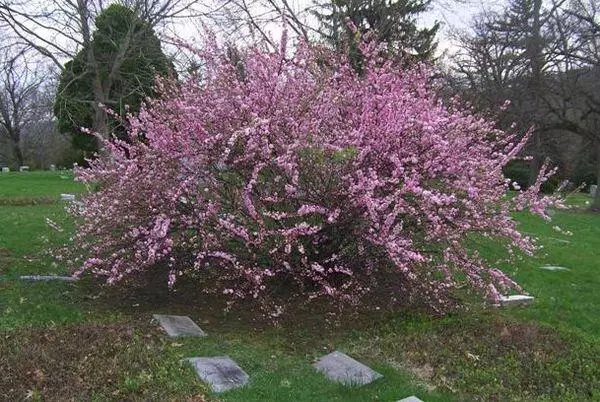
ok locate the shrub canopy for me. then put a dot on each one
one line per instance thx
(287, 179)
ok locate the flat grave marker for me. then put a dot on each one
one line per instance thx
(411, 398)
(554, 268)
(178, 325)
(220, 372)
(516, 300)
(48, 278)
(342, 368)
(67, 197)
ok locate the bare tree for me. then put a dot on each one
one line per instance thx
(575, 96)
(19, 104)
(258, 19)
(487, 63)
(59, 29)
(262, 20)
(508, 56)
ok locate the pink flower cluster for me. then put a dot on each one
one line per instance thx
(293, 178)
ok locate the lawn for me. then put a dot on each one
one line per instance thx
(63, 341)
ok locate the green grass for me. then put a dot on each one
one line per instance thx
(567, 299)
(37, 184)
(81, 341)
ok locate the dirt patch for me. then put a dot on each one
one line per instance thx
(79, 362)
(499, 358)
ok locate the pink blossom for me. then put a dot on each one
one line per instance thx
(306, 172)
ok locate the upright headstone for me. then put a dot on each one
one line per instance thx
(177, 325)
(220, 372)
(342, 368)
(5, 169)
(593, 190)
(52, 168)
(24, 169)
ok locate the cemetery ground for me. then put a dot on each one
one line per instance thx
(80, 341)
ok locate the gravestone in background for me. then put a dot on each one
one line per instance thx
(593, 190)
(554, 268)
(24, 169)
(5, 169)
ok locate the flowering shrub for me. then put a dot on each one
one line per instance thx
(290, 178)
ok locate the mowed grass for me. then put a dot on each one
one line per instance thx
(81, 341)
(37, 184)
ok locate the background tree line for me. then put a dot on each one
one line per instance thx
(542, 56)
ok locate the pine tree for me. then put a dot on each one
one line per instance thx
(393, 21)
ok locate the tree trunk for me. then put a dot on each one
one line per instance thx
(536, 61)
(536, 162)
(595, 206)
(18, 155)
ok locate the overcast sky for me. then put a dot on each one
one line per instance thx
(454, 14)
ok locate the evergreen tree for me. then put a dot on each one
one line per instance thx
(394, 22)
(117, 68)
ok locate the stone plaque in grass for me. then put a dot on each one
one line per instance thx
(220, 372)
(342, 368)
(516, 300)
(178, 325)
(554, 268)
(411, 398)
(67, 197)
(47, 278)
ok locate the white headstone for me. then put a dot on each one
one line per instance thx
(52, 168)
(24, 169)
(593, 190)
(220, 372)
(177, 325)
(5, 169)
(342, 368)
(516, 300)
(67, 197)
